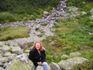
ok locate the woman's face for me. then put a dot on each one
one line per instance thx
(37, 46)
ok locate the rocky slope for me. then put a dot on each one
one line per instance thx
(41, 26)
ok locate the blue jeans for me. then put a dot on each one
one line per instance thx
(44, 64)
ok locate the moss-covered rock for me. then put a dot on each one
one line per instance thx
(85, 66)
(19, 65)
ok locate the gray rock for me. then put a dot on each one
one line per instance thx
(16, 64)
(91, 17)
(83, 13)
(5, 48)
(70, 63)
(54, 66)
(3, 59)
(1, 44)
(45, 12)
(73, 9)
(7, 54)
(17, 50)
(91, 11)
(1, 68)
(64, 56)
(75, 54)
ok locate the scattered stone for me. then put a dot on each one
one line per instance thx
(75, 54)
(1, 68)
(91, 11)
(83, 13)
(5, 48)
(91, 17)
(7, 54)
(64, 56)
(54, 66)
(16, 64)
(70, 63)
(3, 59)
(45, 12)
(17, 50)
(72, 9)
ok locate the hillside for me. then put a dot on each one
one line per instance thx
(64, 27)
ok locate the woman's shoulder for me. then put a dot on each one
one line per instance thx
(43, 49)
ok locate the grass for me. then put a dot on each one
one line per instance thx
(71, 35)
(11, 32)
(87, 54)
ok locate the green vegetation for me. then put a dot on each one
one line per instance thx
(85, 5)
(71, 35)
(8, 32)
(88, 54)
(17, 10)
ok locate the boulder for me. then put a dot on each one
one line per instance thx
(1, 68)
(64, 56)
(19, 65)
(45, 12)
(75, 54)
(83, 13)
(54, 66)
(7, 54)
(1, 44)
(73, 9)
(91, 17)
(3, 59)
(5, 48)
(70, 63)
(17, 50)
(91, 11)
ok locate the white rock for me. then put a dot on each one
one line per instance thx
(1, 44)
(45, 12)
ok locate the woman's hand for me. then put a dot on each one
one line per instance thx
(39, 62)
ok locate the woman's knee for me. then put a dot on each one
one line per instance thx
(45, 63)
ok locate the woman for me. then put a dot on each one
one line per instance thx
(37, 55)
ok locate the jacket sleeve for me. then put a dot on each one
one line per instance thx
(44, 56)
(31, 55)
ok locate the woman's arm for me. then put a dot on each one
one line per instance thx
(44, 56)
(31, 55)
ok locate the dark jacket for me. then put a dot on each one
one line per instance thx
(35, 57)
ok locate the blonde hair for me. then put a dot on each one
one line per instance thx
(41, 45)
